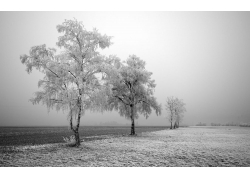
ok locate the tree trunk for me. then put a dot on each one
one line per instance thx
(75, 130)
(132, 127)
(132, 121)
(171, 121)
(77, 138)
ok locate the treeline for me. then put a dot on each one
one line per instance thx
(201, 124)
(244, 125)
(227, 124)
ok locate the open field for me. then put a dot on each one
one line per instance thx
(12, 136)
(191, 146)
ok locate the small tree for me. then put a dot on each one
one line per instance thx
(70, 81)
(175, 108)
(132, 92)
(179, 112)
(170, 107)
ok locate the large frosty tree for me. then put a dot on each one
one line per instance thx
(70, 81)
(132, 90)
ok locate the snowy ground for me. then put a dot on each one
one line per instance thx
(192, 146)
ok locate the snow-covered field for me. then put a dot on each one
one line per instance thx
(191, 146)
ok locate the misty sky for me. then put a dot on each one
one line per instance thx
(200, 57)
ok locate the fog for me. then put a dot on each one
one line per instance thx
(200, 57)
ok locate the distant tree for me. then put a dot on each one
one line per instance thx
(215, 124)
(179, 112)
(170, 107)
(132, 92)
(201, 124)
(70, 78)
(175, 108)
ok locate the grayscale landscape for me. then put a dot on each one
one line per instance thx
(125, 89)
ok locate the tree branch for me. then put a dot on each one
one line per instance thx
(143, 102)
(55, 84)
(89, 74)
(72, 74)
(53, 72)
(57, 100)
(122, 100)
(74, 57)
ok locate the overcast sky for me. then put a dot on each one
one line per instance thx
(200, 57)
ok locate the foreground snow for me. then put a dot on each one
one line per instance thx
(199, 146)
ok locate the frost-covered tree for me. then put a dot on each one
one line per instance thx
(179, 112)
(170, 107)
(175, 108)
(132, 90)
(70, 78)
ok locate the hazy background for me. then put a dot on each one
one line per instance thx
(200, 57)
